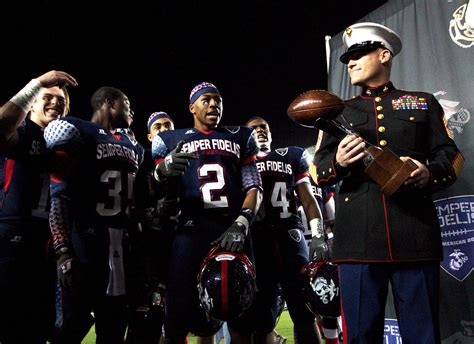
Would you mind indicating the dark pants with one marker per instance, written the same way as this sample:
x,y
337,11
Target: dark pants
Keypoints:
x,y
415,288
74,318
280,253
183,313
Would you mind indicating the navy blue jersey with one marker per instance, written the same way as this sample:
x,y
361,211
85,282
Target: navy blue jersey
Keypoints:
x,y
23,177
213,184
281,170
97,178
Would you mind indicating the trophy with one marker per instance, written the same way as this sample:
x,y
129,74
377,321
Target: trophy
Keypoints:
x,y
319,109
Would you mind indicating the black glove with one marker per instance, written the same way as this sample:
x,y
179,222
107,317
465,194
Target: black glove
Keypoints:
x,y
174,164
68,268
233,238
319,248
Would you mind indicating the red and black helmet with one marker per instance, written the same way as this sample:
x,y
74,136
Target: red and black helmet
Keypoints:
x,y
226,284
323,291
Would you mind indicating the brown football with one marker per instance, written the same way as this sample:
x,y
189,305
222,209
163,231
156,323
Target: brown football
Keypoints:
x,y
313,104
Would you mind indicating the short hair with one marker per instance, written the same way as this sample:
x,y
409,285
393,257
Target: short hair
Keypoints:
x,y
100,96
254,118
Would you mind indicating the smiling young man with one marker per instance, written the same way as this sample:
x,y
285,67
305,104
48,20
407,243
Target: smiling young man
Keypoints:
x,y
380,239
24,205
219,192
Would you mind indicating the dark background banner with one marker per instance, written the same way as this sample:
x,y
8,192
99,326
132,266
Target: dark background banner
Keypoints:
x,y
437,57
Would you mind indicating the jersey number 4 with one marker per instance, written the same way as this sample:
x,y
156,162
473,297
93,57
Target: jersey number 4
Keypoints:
x,y
279,199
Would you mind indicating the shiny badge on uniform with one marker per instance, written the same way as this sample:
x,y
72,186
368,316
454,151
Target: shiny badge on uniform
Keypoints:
x,y
409,103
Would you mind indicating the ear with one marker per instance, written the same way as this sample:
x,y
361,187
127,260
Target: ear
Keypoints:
x,y
109,102
191,108
385,56
149,137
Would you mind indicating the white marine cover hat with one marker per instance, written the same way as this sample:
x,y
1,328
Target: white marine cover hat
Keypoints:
x,y
368,36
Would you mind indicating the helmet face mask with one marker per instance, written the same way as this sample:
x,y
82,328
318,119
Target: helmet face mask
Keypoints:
x,y
226,285
323,291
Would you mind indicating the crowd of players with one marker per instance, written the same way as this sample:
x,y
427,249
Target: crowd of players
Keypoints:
x,y
95,229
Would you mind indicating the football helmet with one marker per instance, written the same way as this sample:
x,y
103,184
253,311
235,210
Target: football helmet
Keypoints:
x,y
322,294
226,284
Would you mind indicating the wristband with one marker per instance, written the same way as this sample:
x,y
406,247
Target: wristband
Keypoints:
x,y
316,226
248,214
27,95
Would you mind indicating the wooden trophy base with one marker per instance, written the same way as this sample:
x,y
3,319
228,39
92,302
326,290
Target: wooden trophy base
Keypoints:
x,y
387,170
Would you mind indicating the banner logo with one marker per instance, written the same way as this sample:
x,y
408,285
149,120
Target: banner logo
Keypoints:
x,y
460,31
456,116
456,219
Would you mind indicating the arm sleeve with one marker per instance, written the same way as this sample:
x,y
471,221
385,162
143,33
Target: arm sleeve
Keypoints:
x,y
327,172
250,176
302,167
445,160
64,140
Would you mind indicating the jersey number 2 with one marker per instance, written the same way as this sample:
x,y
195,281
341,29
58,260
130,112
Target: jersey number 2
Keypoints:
x,y
210,189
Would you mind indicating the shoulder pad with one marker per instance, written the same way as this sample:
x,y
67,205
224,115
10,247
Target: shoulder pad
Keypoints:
x,y
60,132
158,148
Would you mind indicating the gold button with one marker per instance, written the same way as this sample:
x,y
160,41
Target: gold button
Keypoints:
x,y
382,129
435,181
444,179
383,143
330,169
380,107
378,99
412,118
324,172
380,116
346,199
449,177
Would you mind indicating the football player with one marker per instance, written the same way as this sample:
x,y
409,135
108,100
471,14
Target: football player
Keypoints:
x,y
150,243
26,314
279,245
219,189
91,189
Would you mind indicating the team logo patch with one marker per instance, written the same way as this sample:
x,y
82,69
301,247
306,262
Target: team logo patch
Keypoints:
x,y
295,234
233,130
408,102
282,151
326,290
456,219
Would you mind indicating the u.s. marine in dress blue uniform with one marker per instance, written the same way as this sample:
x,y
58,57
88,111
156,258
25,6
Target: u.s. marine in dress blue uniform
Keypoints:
x,y
379,238
211,194
410,124
90,202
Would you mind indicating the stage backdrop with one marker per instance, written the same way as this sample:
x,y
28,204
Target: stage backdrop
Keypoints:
x,y
437,57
